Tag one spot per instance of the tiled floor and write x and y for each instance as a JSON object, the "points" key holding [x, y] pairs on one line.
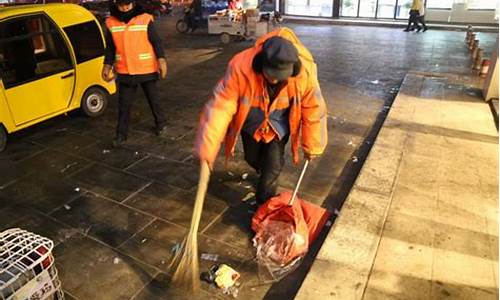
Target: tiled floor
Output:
{"points": [[116, 214]]}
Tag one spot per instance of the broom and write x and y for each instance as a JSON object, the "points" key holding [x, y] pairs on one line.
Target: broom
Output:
{"points": [[185, 260]]}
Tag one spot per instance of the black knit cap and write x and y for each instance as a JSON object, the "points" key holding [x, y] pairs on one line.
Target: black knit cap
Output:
{"points": [[123, 1], [279, 57]]}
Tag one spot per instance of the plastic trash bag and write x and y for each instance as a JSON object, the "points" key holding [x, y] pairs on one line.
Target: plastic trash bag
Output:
{"points": [[283, 233]]}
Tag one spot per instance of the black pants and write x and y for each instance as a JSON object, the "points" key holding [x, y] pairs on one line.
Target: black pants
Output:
{"points": [[421, 19], [127, 91], [413, 19], [268, 160]]}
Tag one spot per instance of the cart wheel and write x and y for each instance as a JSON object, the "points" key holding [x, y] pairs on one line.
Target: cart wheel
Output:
{"points": [[3, 138], [181, 26], [94, 102], [225, 38]]}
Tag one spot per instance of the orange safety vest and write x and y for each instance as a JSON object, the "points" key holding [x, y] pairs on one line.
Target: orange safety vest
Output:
{"points": [[224, 115], [134, 52]]}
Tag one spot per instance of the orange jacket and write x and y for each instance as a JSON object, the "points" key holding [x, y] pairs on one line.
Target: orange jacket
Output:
{"points": [[225, 113], [134, 52]]}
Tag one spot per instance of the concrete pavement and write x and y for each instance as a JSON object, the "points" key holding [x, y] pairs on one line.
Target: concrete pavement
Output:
{"points": [[421, 221]]}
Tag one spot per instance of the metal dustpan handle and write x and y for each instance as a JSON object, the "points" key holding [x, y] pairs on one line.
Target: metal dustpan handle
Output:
{"points": [[298, 182]]}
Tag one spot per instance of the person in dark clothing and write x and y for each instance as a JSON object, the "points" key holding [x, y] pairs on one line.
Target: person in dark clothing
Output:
{"points": [[135, 53], [195, 15], [412, 21]]}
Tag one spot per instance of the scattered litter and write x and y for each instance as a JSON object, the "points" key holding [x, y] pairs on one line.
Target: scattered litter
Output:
{"points": [[328, 223], [143, 240], [232, 291], [162, 262], [336, 212], [230, 173], [68, 166], [189, 157], [210, 257], [244, 176], [105, 151], [176, 248], [67, 206], [350, 143], [354, 159], [374, 81], [77, 189], [87, 230], [64, 234], [116, 260], [136, 153], [248, 196], [225, 276]]}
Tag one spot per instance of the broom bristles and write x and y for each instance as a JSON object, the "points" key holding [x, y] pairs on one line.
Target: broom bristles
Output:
{"points": [[186, 258]]}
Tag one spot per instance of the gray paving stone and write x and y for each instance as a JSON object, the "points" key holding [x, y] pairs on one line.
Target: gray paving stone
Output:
{"points": [[175, 205], [166, 171], [107, 182], [45, 192], [90, 270], [105, 220], [119, 158]]}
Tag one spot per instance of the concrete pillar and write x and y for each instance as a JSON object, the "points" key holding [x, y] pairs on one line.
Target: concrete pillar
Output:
{"points": [[336, 9], [490, 89]]}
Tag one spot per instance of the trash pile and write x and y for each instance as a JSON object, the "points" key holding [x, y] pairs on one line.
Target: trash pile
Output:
{"points": [[224, 277]]}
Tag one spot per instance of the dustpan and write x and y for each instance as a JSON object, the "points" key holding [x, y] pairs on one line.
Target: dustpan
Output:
{"points": [[286, 225]]}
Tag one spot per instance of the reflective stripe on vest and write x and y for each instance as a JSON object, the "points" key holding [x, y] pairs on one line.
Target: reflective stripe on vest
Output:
{"points": [[134, 53], [138, 28]]}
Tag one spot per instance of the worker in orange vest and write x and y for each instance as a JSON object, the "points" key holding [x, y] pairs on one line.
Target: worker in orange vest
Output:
{"points": [[135, 52], [269, 94]]}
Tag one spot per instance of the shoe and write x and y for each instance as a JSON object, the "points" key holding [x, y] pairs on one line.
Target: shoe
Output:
{"points": [[419, 29], [406, 30], [118, 142], [425, 28], [162, 131]]}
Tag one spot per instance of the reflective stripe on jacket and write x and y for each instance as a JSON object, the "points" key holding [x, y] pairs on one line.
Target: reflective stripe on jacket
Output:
{"points": [[225, 113], [266, 121], [134, 52]]}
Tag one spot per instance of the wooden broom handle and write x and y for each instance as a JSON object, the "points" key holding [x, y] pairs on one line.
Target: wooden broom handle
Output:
{"points": [[298, 183]]}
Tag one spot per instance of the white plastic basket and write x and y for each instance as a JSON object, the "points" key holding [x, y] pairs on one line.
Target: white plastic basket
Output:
{"points": [[27, 270]]}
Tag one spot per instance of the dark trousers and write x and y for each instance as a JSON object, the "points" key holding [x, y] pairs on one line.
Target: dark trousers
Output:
{"points": [[268, 160], [413, 19], [127, 92], [421, 19]]}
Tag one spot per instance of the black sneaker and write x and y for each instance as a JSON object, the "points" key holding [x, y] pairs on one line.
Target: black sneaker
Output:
{"points": [[162, 131], [118, 142], [425, 28], [406, 30], [419, 29]]}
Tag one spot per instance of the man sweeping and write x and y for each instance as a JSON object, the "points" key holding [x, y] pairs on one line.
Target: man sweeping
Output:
{"points": [[269, 94]]}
